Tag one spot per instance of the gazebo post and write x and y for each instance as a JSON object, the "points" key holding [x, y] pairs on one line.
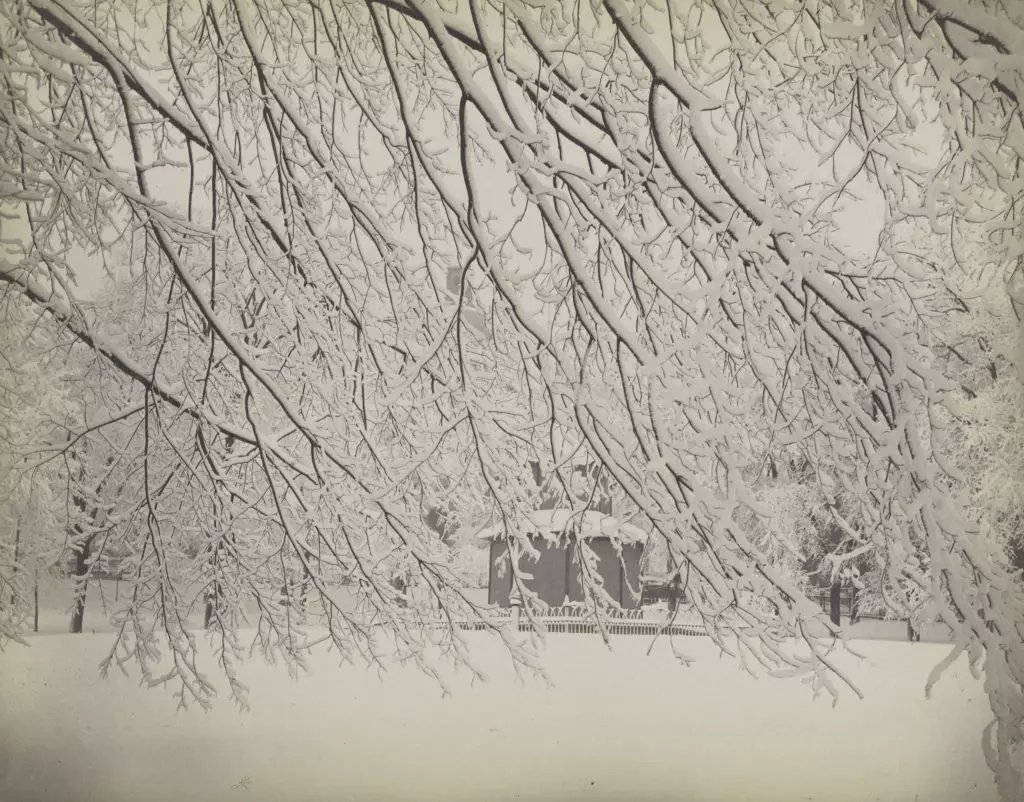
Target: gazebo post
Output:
{"points": [[515, 601]]}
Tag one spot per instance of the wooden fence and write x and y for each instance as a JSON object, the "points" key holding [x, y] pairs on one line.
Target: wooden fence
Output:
{"points": [[576, 620]]}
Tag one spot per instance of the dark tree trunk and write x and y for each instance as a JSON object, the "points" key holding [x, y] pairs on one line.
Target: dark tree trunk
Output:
{"points": [[211, 600], [78, 611], [35, 603], [84, 551], [17, 555], [81, 586], [834, 599], [675, 593]]}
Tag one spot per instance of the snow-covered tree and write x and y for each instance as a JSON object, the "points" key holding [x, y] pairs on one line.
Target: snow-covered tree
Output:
{"points": [[385, 243], [985, 351], [33, 408]]}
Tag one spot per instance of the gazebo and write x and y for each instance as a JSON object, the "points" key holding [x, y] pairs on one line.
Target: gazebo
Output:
{"points": [[555, 575]]}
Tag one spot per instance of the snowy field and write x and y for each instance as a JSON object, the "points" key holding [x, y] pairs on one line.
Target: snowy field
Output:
{"points": [[618, 725]]}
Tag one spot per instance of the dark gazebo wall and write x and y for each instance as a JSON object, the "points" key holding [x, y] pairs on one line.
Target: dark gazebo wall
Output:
{"points": [[573, 575], [607, 567], [556, 575], [549, 574]]}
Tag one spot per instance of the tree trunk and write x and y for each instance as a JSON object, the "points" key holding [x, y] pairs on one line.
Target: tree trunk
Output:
{"points": [[78, 611], [211, 599], [834, 599], [81, 586], [17, 554], [35, 603]]}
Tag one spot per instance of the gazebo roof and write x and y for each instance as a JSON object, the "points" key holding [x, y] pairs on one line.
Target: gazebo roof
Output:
{"points": [[591, 524]]}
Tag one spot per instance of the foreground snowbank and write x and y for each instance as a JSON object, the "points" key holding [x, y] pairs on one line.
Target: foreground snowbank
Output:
{"points": [[617, 725]]}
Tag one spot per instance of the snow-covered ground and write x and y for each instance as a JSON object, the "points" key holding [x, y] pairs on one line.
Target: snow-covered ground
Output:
{"points": [[618, 725]]}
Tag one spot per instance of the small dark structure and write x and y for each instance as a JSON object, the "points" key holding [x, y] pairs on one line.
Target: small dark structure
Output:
{"points": [[659, 589], [557, 571]]}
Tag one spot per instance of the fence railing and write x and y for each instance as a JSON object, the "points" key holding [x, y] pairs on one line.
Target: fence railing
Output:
{"points": [[576, 620], [613, 627]]}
